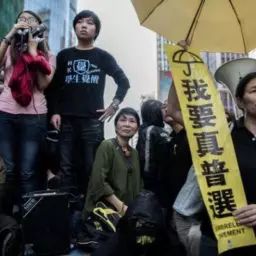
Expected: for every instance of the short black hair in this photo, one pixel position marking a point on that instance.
(87, 14)
(243, 83)
(127, 111)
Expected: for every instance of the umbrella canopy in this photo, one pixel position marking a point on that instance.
(208, 25)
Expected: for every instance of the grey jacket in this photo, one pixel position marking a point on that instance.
(189, 201)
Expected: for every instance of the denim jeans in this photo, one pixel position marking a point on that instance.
(22, 138)
(79, 139)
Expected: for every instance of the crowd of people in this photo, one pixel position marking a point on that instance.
(152, 189)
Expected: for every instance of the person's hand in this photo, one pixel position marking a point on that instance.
(15, 28)
(107, 113)
(121, 207)
(246, 215)
(33, 43)
(168, 120)
(125, 209)
(184, 44)
(166, 117)
(56, 121)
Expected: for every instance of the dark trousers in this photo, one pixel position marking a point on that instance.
(22, 140)
(79, 139)
(208, 247)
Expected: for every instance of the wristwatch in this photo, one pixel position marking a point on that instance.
(115, 104)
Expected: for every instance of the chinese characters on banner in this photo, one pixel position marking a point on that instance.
(211, 147)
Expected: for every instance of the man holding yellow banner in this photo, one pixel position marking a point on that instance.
(224, 163)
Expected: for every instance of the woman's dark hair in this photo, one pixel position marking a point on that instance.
(127, 111)
(31, 13)
(243, 83)
(151, 113)
(42, 46)
(87, 14)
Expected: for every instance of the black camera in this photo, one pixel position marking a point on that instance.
(22, 35)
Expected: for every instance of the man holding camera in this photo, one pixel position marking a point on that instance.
(77, 101)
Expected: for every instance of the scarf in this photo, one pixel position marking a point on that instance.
(24, 76)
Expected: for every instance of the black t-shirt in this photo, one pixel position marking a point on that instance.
(245, 148)
(78, 85)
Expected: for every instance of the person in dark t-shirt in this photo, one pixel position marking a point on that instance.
(244, 139)
(76, 101)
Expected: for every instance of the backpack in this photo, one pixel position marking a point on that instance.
(10, 236)
(98, 227)
(141, 231)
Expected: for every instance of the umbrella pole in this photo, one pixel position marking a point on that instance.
(193, 25)
(240, 24)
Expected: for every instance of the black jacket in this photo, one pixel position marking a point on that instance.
(154, 153)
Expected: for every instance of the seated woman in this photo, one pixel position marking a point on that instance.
(116, 174)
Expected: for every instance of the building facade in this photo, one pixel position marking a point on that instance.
(72, 14)
(164, 75)
(215, 60)
(58, 16)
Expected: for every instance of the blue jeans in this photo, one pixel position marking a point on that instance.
(79, 139)
(22, 138)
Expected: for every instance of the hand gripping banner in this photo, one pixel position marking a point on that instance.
(211, 147)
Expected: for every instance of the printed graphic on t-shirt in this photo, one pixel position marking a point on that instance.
(82, 71)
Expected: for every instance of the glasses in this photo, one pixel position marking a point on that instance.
(29, 20)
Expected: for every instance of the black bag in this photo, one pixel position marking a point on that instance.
(98, 227)
(45, 222)
(10, 236)
(141, 231)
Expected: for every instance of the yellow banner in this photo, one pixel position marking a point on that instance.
(211, 147)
